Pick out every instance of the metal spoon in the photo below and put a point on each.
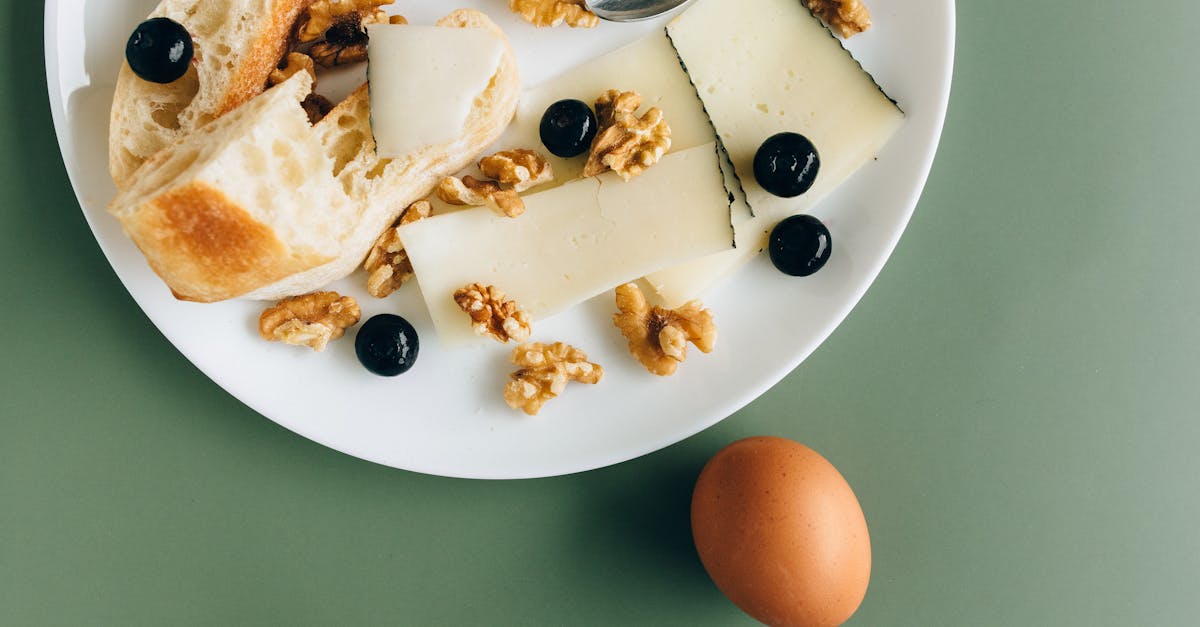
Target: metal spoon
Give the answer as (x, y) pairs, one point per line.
(631, 10)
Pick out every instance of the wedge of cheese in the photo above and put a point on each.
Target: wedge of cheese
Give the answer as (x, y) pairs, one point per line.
(768, 66)
(649, 67)
(411, 66)
(574, 241)
(689, 280)
(763, 67)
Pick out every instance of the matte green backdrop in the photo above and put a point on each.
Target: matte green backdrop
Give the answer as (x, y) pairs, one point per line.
(1015, 401)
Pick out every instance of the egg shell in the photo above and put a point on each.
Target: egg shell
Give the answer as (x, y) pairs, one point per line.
(781, 533)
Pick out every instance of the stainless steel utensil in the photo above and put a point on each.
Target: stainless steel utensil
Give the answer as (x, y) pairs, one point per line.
(631, 10)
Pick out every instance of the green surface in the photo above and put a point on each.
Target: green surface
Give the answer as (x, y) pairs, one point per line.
(1015, 401)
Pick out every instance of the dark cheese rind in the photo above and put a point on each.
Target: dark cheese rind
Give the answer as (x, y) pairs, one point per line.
(720, 146)
(841, 42)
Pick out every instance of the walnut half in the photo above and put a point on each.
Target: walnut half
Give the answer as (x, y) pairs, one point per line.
(545, 371)
(471, 191)
(659, 337)
(294, 63)
(847, 17)
(492, 313)
(514, 170)
(518, 170)
(625, 143)
(388, 266)
(338, 29)
(554, 12)
(311, 320)
(322, 15)
(315, 105)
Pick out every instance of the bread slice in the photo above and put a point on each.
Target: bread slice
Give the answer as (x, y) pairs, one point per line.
(258, 204)
(237, 42)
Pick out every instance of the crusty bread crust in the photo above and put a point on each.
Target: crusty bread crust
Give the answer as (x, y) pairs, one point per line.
(238, 43)
(195, 237)
(263, 56)
(213, 230)
(201, 236)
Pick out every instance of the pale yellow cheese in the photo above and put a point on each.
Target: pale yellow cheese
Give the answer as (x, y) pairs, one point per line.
(689, 280)
(768, 66)
(424, 81)
(648, 66)
(574, 241)
(763, 67)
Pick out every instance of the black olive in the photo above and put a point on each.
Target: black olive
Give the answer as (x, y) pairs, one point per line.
(800, 245)
(387, 345)
(568, 128)
(159, 50)
(787, 164)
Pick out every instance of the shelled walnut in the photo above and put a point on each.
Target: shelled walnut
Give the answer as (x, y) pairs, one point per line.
(626, 144)
(847, 17)
(543, 13)
(471, 191)
(544, 374)
(294, 62)
(493, 314)
(515, 171)
(519, 169)
(337, 29)
(658, 337)
(388, 266)
(315, 105)
(311, 320)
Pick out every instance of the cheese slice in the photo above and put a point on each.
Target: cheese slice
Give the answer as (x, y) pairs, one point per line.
(763, 67)
(648, 66)
(574, 241)
(768, 66)
(424, 81)
(651, 67)
(691, 279)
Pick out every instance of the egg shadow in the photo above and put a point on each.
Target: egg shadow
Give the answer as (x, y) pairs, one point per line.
(634, 523)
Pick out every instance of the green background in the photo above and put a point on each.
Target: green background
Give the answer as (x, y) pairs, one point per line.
(1015, 401)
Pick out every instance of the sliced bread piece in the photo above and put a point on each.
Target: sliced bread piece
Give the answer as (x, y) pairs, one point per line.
(237, 43)
(388, 186)
(260, 204)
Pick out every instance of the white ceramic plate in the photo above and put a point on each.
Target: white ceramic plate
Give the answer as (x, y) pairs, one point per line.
(446, 416)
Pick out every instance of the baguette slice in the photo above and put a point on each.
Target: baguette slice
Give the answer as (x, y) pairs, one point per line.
(259, 204)
(238, 43)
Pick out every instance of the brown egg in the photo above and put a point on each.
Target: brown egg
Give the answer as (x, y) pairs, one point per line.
(781, 533)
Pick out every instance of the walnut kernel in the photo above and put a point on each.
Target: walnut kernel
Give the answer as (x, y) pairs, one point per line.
(388, 266)
(338, 29)
(323, 15)
(311, 320)
(658, 337)
(316, 106)
(847, 17)
(554, 12)
(471, 191)
(519, 169)
(493, 314)
(544, 374)
(294, 62)
(625, 143)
